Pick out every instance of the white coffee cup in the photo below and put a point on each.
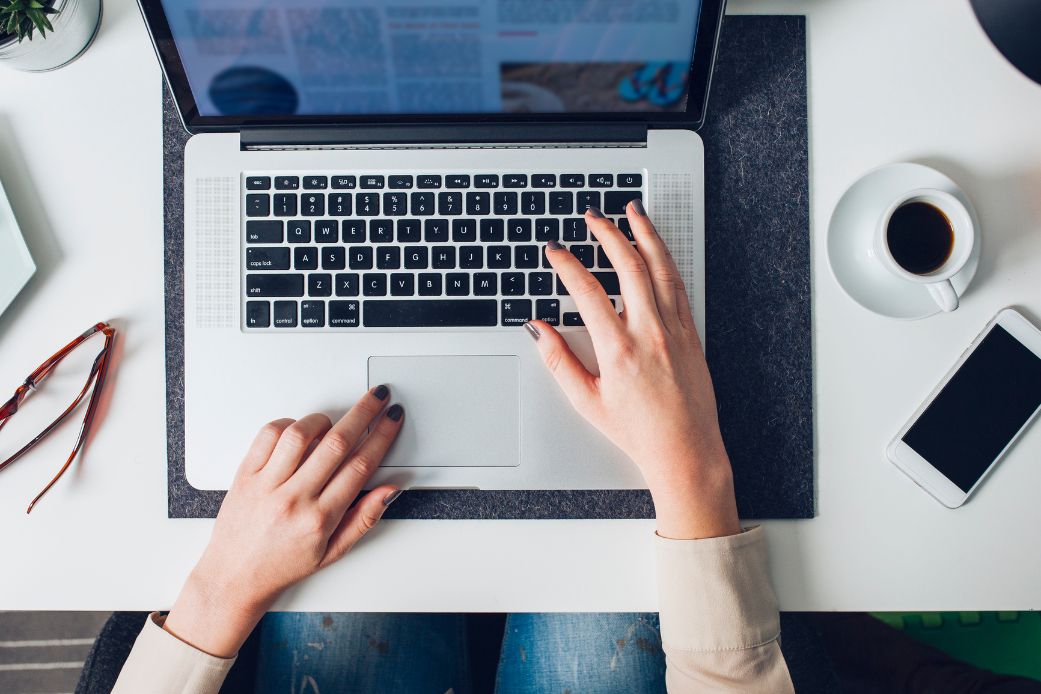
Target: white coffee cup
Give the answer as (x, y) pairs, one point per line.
(938, 280)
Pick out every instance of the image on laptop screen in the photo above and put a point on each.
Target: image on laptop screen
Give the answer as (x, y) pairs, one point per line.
(351, 57)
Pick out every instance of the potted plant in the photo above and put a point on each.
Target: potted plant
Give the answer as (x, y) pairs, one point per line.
(39, 35)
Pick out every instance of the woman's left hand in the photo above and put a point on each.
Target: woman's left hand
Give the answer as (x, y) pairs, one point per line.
(287, 515)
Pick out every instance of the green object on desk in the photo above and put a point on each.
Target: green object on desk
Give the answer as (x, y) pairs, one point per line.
(1005, 642)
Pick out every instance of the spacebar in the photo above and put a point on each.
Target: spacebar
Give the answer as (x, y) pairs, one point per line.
(431, 313)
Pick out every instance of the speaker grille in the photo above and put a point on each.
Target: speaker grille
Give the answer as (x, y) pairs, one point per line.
(216, 256)
(672, 206)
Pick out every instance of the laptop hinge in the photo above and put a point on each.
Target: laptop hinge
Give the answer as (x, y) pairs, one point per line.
(455, 135)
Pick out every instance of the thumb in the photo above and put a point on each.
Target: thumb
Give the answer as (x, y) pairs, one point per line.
(359, 520)
(571, 375)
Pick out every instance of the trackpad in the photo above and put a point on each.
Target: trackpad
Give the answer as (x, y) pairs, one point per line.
(460, 411)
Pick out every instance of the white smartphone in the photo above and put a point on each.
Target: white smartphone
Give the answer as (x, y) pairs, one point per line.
(977, 412)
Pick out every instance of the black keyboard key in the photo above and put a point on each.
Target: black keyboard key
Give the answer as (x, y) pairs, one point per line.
(533, 203)
(516, 311)
(353, 231)
(402, 284)
(312, 205)
(285, 314)
(442, 257)
(345, 182)
(548, 310)
(287, 182)
(515, 181)
(498, 257)
(540, 283)
(457, 182)
(609, 281)
(584, 253)
(486, 181)
(428, 181)
(381, 230)
(547, 230)
(602, 260)
(388, 258)
(312, 314)
(258, 205)
(368, 204)
(258, 183)
(492, 231)
(526, 257)
(264, 232)
(471, 257)
(298, 231)
(305, 258)
(486, 283)
(258, 314)
(464, 230)
(371, 182)
(505, 203)
(572, 181)
(512, 284)
(429, 313)
(626, 228)
(587, 199)
(416, 258)
(395, 204)
(545, 259)
(422, 204)
(572, 319)
(543, 181)
(316, 182)
(274, 285)
(360, 257)
(429, 284)
(575, 229)
(518, 230)
(409, 231)
(344, 314)
(319, 284)
(476, 203)
(450, 204)
(630, 180)
(285, 205)
(616, 200)
(267, 258)
(401, 182)
(435, 231)
(373, 284)
(325, 231)
(457, 284)
(601, 180)
(561, 202)
(339, 204)
(346, 284)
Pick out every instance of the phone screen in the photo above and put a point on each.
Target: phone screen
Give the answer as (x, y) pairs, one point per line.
(980, 410)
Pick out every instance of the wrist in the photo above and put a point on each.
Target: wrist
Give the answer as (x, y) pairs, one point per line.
(697, 505)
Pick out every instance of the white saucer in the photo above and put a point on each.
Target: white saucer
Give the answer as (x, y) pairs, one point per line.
(16, 265)
(855, 220)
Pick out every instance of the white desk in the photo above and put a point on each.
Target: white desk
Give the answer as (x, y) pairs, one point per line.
(80, 154)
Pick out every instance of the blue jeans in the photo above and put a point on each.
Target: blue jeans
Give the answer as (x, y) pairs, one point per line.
(305, 653)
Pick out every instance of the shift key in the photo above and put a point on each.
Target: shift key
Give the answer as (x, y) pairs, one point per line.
(274, 285)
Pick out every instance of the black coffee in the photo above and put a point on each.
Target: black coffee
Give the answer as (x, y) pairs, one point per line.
(920, 237)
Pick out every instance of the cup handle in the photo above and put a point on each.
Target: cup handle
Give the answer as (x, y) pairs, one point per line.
(944, 295)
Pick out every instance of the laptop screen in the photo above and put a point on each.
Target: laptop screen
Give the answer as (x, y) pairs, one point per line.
(257, 58)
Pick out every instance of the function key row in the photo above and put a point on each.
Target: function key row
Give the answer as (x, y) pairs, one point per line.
(436, 181)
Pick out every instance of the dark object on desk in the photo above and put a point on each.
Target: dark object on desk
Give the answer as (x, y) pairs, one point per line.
(1014, 27)
(759, 343)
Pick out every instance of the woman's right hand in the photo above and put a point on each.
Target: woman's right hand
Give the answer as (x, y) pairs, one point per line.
(653, 397)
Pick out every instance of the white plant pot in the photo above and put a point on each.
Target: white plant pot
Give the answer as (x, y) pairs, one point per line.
(75, 26)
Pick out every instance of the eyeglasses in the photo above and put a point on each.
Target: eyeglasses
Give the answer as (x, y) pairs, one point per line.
(96, 379)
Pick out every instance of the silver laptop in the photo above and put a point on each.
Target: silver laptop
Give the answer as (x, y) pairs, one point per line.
(368, 191)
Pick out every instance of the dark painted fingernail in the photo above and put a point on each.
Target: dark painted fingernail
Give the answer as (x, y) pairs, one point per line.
(395, 412)
(638, 207)
(381, 392)
(533, 331)
(594, 211)
(553, 245)
(392, 497)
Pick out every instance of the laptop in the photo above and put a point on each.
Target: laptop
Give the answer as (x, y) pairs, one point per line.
(369, 188)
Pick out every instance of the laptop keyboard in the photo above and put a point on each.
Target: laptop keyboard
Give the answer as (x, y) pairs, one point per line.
(421, 250)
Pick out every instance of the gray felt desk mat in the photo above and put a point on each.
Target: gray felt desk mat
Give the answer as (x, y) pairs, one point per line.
(758, 298)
